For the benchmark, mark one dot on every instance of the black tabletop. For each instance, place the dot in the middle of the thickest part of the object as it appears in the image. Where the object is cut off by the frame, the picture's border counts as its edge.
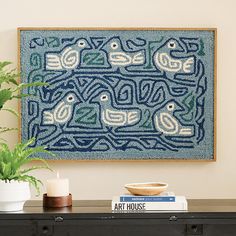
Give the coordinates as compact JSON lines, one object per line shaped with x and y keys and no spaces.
{"x":102,"y":209}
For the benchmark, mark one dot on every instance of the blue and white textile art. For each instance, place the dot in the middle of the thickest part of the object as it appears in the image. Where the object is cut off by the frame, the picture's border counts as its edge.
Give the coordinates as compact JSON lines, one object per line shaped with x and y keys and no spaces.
{"x":120,"y":94}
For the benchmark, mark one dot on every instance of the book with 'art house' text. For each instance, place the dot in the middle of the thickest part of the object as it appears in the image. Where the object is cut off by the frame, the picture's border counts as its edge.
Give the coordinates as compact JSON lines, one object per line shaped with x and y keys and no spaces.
{"x":178,"y":204}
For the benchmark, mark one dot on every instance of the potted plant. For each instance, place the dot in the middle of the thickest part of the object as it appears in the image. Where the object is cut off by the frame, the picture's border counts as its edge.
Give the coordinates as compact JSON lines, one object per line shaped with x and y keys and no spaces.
{"x":14,"y":178}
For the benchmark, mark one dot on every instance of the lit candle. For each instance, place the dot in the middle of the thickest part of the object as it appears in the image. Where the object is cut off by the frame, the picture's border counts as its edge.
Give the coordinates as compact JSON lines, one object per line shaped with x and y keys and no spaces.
{"x":57,"y":187}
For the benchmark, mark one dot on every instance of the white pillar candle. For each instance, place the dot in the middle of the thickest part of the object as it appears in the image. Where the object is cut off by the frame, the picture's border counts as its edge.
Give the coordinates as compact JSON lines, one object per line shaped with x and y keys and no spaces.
{"x":57,"y":187}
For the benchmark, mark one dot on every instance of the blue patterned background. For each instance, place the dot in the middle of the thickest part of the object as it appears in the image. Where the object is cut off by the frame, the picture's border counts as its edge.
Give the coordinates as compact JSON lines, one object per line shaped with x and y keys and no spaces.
{"x":120,"y":94}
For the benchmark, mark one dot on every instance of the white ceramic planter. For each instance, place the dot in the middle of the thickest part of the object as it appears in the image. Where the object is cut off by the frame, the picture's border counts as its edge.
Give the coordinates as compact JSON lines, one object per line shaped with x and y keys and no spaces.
{"x":13,"y":195}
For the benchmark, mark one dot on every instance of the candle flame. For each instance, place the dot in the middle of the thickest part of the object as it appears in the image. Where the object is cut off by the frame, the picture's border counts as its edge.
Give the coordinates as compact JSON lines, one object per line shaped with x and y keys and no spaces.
{"x":58,"y":175}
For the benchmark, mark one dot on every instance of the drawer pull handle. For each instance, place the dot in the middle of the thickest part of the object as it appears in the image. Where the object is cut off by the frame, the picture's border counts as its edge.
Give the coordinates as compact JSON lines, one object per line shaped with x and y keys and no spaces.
{"x":58,"y":219}
{"x":173,"y":218}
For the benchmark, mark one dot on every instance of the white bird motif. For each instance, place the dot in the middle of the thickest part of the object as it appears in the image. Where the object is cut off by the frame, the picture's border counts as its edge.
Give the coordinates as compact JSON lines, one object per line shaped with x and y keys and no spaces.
{"x":69,"y":58}
{"x":124,"y":59}
{"x":166,"y":123}
{"x":164,"y":59}
{"x":62,"y":112}
{"x":119,"y":118}
{"x":119,"y":57}
{"x":115,"y":117}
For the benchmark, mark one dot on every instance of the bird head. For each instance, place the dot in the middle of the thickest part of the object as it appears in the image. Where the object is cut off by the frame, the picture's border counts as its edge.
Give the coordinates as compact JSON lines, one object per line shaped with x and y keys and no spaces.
{"x":72,"y":98}
{"x":113,"y":45}
{"x":172,"y":106}
{"x":103,"y":98}
{"x":171,"y":45}
{"x":82,"y":43}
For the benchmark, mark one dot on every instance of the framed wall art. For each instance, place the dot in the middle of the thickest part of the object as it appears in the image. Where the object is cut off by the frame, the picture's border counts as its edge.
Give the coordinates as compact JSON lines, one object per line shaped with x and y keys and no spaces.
{"x":120,"y":93}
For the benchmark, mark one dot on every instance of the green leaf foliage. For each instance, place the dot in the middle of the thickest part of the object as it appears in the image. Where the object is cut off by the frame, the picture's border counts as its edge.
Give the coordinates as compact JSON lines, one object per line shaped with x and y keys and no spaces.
{"x":7,"y":76}
{"x":5,"y":95}
{"x":12,"y":162}
{"x":11,"y":111}
{"x":10,"y":88}
{"x":5,"y":129}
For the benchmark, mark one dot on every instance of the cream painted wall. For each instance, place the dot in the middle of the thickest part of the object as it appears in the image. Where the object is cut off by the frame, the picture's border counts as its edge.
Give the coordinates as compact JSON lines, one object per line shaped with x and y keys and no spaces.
{"x":102,"y":180}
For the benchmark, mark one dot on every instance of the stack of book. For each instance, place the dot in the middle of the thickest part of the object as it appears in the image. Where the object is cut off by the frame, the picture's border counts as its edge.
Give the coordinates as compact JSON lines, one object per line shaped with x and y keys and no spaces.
{"x":165,"y":202}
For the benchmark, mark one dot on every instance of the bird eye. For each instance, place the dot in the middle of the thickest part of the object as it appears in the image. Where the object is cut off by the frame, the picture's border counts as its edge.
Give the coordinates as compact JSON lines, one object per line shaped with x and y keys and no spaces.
{"x":104,"y":97}
{"x":170,"y":106}
{"x":70,"y":98}
{"x":81,"y":44}
{"x":171,"y":44}
{"x":114,"y":45}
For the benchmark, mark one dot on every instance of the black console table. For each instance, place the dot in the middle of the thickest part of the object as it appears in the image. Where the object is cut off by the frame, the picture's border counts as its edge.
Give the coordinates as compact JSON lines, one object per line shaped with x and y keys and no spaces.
{"x":94,"y":218}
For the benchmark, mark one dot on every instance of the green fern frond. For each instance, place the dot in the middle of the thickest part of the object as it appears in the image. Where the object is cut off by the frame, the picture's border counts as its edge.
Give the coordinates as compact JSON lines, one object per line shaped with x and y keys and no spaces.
{"x":11,"y":111}
{"x":12,"y":162}
{"x":5,"y":129}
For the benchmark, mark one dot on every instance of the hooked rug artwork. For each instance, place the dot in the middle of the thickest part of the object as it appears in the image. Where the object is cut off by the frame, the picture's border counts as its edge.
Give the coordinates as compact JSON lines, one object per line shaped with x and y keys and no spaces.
{"x":120,"y":94}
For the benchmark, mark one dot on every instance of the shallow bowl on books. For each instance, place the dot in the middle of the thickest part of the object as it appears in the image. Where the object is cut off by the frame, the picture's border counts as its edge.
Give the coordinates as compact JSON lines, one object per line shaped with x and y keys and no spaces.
{"x":146,"y":189}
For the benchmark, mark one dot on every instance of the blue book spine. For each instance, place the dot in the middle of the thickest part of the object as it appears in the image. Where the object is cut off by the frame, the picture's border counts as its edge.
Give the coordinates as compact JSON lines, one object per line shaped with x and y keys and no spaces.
{"x":147,"y":199}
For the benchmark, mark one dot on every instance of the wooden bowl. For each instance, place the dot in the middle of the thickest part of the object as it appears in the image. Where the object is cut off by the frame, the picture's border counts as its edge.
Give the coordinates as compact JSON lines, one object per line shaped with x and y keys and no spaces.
{"x":146,"y":189}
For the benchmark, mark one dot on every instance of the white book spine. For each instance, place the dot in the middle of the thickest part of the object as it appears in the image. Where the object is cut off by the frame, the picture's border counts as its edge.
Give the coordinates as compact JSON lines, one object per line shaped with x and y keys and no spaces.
{"x":180,"y":205}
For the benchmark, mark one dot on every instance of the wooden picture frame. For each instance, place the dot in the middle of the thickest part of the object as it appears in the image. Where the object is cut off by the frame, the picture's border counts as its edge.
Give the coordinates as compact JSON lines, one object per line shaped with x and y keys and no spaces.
{"x":120,"y":93}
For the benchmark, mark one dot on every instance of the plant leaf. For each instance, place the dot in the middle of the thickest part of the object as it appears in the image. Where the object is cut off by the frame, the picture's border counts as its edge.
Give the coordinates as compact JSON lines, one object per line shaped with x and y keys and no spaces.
{"x":5,"y":95}
{"x":5,"y":129}
{"x":12,"y":162}
{"x":4,"y":64}
{"x":11,"y":111}
{"x":35,"y":84}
